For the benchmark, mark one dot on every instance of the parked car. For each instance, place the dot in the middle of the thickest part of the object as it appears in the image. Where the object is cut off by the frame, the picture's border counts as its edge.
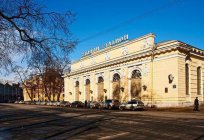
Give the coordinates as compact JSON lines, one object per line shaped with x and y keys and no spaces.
{"x":110,"y":104}
{"x":43,"y":103}
{"x":65,"y":103}
{"x":94,"y":104}
{"x":33,"y":102}
{"x":132,"y":105}
{"x":37,"y":103}
{"x":21,"y":102}
{"x":57,"y":103}
{"x":53,"y":103}
{"x":48,"y":103}
{"x":16,"y":102}
{"x":77,"y":104}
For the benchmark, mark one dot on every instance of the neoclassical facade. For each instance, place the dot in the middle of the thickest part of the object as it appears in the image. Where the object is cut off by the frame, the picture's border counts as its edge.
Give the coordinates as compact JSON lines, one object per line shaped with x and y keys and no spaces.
{"x":168,"y":73}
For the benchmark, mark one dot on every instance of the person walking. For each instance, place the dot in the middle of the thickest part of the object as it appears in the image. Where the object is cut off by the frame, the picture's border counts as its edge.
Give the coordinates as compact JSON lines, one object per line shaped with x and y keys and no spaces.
{"x":85,"y":103}
{"x":196,"y":104}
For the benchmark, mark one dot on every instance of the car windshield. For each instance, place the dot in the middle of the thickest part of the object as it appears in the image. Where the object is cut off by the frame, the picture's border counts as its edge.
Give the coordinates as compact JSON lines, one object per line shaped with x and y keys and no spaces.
{"x":108,"y":101}
{"x":132,"y":102}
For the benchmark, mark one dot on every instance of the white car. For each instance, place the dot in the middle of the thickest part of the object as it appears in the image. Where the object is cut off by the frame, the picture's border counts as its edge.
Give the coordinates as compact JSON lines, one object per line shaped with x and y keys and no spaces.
{"x":132,"y":105}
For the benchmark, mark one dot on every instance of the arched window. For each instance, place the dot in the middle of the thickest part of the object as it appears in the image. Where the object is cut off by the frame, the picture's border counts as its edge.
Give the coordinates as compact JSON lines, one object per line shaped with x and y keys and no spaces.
{"x":116,"y":77}
{"x":199,"y":80}
{"x":187,"y":78}
{"x":136,"y":74}
{"x":77,"y":83}
{"x":100,"y":79}
{"x":87,"y":81}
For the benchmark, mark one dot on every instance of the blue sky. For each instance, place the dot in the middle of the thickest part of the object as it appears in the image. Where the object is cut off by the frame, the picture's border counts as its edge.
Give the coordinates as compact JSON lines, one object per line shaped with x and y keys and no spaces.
{"x":177,"y":19}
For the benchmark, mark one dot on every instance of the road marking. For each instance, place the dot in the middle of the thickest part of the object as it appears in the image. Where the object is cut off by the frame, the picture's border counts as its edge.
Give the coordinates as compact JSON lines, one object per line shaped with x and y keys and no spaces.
{"x":200,"y":126}
{"x":69,"y":114}
{"x":114,"y":136}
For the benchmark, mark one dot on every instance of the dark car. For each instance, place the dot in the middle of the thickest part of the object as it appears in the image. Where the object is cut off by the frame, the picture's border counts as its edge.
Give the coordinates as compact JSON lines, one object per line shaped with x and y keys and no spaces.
{"x":110,"y":104}
{"x":65,"y":103}
{"x":132,"y":105}
{"x":77,"y":104}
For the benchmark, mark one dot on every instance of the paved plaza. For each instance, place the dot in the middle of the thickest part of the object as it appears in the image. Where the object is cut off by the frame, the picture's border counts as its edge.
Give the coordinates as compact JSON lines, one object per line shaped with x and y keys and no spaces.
{"x":26,"y":122}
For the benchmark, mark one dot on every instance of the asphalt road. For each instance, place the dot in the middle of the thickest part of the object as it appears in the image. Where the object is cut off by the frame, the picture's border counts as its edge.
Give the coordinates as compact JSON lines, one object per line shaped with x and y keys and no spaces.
{"x":26,"y":122}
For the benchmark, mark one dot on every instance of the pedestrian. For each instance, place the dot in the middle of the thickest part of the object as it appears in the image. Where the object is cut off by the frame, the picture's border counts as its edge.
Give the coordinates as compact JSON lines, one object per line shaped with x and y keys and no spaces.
{"x":196,"y":104}
{"x":85,"y":103}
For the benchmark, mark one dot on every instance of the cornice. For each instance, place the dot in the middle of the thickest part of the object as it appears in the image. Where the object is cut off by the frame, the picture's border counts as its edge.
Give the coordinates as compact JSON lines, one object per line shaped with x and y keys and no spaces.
{"x":123,"y":60}
{"x":159,"y":48}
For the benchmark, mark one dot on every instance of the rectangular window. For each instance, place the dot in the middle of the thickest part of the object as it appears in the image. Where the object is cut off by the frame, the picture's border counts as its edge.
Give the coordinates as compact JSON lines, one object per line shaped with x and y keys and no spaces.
{"x":166,"y":90}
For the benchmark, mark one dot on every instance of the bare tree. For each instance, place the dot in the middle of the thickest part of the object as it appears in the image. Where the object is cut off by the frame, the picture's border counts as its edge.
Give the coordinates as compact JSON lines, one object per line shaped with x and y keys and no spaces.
{"x":27,"y":28}
{"x":45,"y":79}
{"x":38,"y":37}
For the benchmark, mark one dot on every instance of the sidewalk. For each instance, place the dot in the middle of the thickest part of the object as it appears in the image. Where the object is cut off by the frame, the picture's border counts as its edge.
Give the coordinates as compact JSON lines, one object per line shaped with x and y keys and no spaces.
{"x":173,"y":112}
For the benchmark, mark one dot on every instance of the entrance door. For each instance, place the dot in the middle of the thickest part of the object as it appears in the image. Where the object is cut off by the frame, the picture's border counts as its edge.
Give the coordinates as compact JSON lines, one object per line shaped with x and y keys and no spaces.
{"x":136,"y":84}
{"x":100,"y":89}
{"x":116,"y":86}
{"x":87,"y":89}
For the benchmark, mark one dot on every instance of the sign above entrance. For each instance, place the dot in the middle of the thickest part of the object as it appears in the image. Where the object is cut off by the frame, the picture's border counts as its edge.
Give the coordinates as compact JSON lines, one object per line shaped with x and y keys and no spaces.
{"x":106,"y":45}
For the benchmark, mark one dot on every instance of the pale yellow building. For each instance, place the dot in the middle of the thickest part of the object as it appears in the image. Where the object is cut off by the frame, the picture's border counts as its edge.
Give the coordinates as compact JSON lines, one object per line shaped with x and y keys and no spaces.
{"x":34,"y":90}
{"x":168,"y":73}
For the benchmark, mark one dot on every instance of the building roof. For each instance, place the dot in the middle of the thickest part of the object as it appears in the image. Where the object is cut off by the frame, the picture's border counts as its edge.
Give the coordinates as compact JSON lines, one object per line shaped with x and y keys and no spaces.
{"x":9,"y":82}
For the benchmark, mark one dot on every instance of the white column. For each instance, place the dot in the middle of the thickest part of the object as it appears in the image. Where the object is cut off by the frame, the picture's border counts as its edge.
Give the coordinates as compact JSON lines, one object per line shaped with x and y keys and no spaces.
{"x":74,"y":93}
{"x":111,"y":90}
{"x":190,"y":82}
{"x":84,"y":92}
{"x":96,"y":87}
{"x":129,"y":89}
{"x":96,"y":90}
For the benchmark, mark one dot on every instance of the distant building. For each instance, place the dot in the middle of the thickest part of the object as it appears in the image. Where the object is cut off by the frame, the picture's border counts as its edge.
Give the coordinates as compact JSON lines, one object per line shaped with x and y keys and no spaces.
{"x":34,"y":89}
{"x":168,"y":73}
{"x":10,"y":92}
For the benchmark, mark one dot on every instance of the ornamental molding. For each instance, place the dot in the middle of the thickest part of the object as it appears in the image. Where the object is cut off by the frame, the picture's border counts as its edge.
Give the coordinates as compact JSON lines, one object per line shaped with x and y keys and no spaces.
{"x":107,"y":56}
{"x":135,"y":56}
{"x":199,"y":64}
{"x":131,"y":69}
{"x":125,"y":50}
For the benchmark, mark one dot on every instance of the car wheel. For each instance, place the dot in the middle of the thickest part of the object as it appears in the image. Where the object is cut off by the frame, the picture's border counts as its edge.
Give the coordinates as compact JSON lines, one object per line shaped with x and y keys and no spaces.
{"x":121,"y":108}
{"x":109,"y":107}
